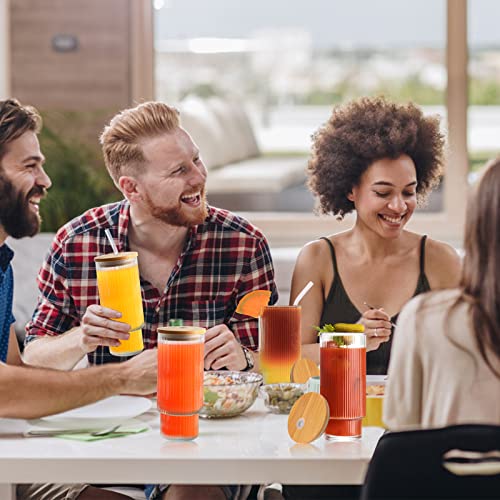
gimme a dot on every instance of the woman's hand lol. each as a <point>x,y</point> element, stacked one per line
<point>377,328</point>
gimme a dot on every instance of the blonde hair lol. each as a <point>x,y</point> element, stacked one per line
<point>121,139</point>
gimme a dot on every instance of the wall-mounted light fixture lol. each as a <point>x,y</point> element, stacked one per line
<point>64,42</point>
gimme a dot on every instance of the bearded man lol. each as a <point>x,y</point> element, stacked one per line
<point>27,392</point>
<point>196,262</point>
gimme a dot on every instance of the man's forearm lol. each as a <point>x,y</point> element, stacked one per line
<point>27,392</point>
<point>61,353</point>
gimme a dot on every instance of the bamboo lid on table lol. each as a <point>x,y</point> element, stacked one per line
<point>303,370</point>
<point>308,418</point>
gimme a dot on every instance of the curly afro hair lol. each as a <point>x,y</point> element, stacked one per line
<point>364,131</point>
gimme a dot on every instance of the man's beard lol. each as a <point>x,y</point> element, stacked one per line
<point>16,217</point>
<point>176,216</point>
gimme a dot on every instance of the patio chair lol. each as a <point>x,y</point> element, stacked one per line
<point>454,462</point>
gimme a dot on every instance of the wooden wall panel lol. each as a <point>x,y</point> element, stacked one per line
<point>95,76</point>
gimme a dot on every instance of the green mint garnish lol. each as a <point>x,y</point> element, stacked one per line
<point>329,328</point>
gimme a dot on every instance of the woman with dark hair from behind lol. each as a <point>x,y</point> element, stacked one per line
<point>445,364</point>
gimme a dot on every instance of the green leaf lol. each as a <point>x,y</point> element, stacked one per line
<point>209,396</point>
<point>327,328</point>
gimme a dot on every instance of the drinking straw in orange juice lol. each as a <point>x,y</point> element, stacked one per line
<point>120,289</point>
<point>180,379</point>
<point>279,342</point>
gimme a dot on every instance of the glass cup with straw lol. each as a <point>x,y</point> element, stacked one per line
<point>120,289</point>
<point>280,339</point>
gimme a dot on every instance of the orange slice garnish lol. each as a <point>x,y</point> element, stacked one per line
<point>253,303</point>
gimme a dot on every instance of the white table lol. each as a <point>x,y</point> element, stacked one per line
<point>253,448</point>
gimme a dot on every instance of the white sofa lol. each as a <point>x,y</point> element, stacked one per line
<point>223,132</point>
<point>30,252</point>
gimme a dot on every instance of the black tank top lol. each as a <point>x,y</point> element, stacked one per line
<point>338,308</point>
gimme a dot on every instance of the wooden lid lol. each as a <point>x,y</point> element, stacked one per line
<point>308,418</point>
<point>179,332</point>
<point>116,257</point>
<point>303,370</point>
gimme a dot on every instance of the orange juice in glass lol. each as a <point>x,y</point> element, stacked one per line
<point>279,342</point>
<point>375,390</point>
<point>180,380</point>
<point>120,289</point>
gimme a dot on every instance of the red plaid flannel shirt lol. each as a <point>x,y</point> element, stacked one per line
<point>223,259</point>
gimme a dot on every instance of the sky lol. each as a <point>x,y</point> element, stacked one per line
<point>357,23</point>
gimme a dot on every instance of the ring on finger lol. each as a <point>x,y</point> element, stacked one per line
<point>375,332</point>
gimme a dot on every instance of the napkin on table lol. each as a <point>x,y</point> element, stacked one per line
<point>121,432</point>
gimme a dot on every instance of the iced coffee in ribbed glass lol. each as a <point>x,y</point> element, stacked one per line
<point>279,342</point>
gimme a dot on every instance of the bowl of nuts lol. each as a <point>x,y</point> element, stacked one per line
<point>279,398</point>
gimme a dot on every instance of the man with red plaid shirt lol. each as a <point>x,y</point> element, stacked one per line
<point>196,262</point>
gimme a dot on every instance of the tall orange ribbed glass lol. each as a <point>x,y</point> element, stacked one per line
<point>180,380</point>
<point>279,342</point>
<point>343,383</point>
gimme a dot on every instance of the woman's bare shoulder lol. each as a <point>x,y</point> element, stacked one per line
<point>314,249</point>
<point>443,265</point>
<point>315,257</point>
<point>318,251</point>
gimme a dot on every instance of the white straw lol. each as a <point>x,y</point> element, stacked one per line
<point>300,296</point>
<point>111,242</point>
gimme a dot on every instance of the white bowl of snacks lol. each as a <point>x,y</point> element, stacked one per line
<point>279,398</point>
<point>228,393</point>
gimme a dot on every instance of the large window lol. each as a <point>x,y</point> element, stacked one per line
<point>286,63</point>
<point>484,82</point>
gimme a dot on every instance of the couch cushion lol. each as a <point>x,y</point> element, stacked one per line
<point>204,127</point>
<point>258,175</point>
<point>251,146</point>
<point>238,134</point>
<point>28,257</point>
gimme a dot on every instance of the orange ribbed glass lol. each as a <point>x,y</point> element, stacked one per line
<point>343,384</point>
<point>179,426</point>
<point>180,377</point>
<point>279,342</point>
<point>180,380</point>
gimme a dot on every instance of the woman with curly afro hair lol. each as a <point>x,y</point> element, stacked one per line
<point>381,160</point>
